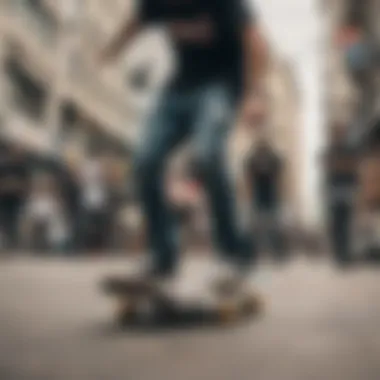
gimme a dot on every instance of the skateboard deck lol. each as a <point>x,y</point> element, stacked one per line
<point>138,302</point>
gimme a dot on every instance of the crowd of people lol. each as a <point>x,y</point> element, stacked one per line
<point>80,206</point>
<point>90,205</point>
<point>46,205</point>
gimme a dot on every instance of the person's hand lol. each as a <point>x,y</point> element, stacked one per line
<point>254,110</point>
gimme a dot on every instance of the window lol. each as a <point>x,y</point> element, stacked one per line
<point>42,17</point>
<point>69,117</point>
<point>28,94</point>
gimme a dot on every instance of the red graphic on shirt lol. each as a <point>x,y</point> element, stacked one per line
<point>348,36</point>
<point>198,30</point>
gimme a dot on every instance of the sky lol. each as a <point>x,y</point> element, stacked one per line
<point>294,28</point>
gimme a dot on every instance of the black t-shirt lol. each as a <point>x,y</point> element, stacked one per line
<point>264,170</point>
<point>207,36</point>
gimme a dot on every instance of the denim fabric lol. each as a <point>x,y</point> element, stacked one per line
<point>202,116</point>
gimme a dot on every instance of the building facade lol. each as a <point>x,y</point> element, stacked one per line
<point>53,95</point>
<point>340,95</point>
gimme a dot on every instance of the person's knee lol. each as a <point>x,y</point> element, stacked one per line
<point>145,165</point>
<point>209,163</point>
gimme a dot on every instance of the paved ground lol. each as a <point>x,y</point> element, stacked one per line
<point>320,324</point>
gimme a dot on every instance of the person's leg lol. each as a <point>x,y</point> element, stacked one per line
<point>215,117</point>
<point>276,236</point>
<point>163,132</point>
<point>261,228</point>
<point>3,237</point>
<point>11,223</point>
<point>84,234</point>
<point>75,227</point>
<point>97,232</point>
<point>255,229</point>
<point>346,234</point>
<point>340,231</point>
<point>333,231</point>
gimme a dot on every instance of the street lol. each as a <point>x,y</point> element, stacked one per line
<point>319,324</point>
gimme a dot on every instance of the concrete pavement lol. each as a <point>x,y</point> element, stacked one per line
<point>319,324</point>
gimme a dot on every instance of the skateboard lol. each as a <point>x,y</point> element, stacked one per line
<point>138,302</point>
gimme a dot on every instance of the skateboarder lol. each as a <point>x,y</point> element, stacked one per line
<point>221,63</point>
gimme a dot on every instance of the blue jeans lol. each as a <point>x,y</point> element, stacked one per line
<point>204,117</point>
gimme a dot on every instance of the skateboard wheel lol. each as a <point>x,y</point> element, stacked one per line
<point>227,313</point>
<point>252,305</point>
<point>125,311</point>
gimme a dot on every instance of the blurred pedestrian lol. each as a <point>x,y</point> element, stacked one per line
<point>94,201</point>
<point>69,185</point>
<point>369,201</point>
<point>264,174</point>
<point>45,223</point>
<point>341,160</point>
<point>13,192</point>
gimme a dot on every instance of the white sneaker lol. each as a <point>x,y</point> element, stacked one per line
<point>144,269</point>
<point>183,293</point>
<point>227,279</point>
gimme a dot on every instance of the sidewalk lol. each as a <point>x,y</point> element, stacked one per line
<point>319,324</point>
